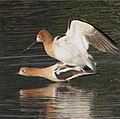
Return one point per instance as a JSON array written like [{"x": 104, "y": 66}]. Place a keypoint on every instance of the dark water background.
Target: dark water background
[{"x": 91, "y": 97}]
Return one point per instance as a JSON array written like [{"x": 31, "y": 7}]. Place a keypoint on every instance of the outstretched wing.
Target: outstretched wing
[{"x": 82, "y": 34}]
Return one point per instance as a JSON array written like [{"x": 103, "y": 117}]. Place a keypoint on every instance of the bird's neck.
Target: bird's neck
[
  {"x": 40, "y": 72},
  {"x": 48, "y": 44},
  {"x": 35, "y": 72}
]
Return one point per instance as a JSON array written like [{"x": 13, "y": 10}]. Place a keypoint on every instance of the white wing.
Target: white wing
[
  {"x": 81, "y": 34},
  {"x": 72, "y": 47},
  {"x": 65, "y": 47}
]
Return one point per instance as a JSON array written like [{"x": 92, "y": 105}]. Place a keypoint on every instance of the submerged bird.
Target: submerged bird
[
  {"x": 57, "y": 72},
  {"x": 72, "y": 47}
]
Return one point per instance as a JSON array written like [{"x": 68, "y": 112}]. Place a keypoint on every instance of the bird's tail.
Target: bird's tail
[{"x": 91, "y": 63}]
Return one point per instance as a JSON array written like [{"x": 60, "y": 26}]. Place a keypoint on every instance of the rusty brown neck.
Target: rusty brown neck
[
  {"x": 36, "y": 72},
  {"x": 48, "y": 42},
  {"x": 46, "y": 37}
]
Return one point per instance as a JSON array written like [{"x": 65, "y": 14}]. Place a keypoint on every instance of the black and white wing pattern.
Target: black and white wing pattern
[
  {"x": 82, "y": 34},
  {"x": 67, "y": 72}
]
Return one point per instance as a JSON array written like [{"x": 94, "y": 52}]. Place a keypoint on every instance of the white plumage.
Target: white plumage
[
  {"x": 57, "y": 72},
  {"x": 72, "y": 47}
]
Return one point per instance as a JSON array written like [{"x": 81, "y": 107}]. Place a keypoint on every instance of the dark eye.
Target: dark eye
[
  {"x": 39, "y": 36},
  {"x": 23, "y": 70}
]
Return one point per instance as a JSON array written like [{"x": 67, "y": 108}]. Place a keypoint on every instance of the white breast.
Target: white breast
[
  {"x": 69, "y": 56},
  {"x": 67, "y": 52}
]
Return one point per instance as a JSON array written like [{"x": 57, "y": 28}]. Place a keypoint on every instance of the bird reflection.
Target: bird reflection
[{"x": 57, "y": 101}]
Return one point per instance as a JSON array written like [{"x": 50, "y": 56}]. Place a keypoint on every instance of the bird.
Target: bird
[
  {"x": 57, "y": 72},
  {"x": 72, "y": 46}
]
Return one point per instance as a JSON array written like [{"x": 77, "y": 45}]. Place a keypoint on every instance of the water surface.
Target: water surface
[{"x": 88, "y": 97}]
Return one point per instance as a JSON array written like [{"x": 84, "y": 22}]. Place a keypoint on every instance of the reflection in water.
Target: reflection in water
[
  {"x": 60, "y": 101},
  {"x": 20, "y": 21}
]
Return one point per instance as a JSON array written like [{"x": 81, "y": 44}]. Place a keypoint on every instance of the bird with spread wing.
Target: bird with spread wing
[{"x": 72, "y": 47}]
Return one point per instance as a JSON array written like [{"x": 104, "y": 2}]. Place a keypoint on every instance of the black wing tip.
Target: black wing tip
[
  {"x": 115, "y": 45},
  {"x": 111, "y": 50},
  {"x": 114, "y": 50},
  {"x": 108, "y": 37}
]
